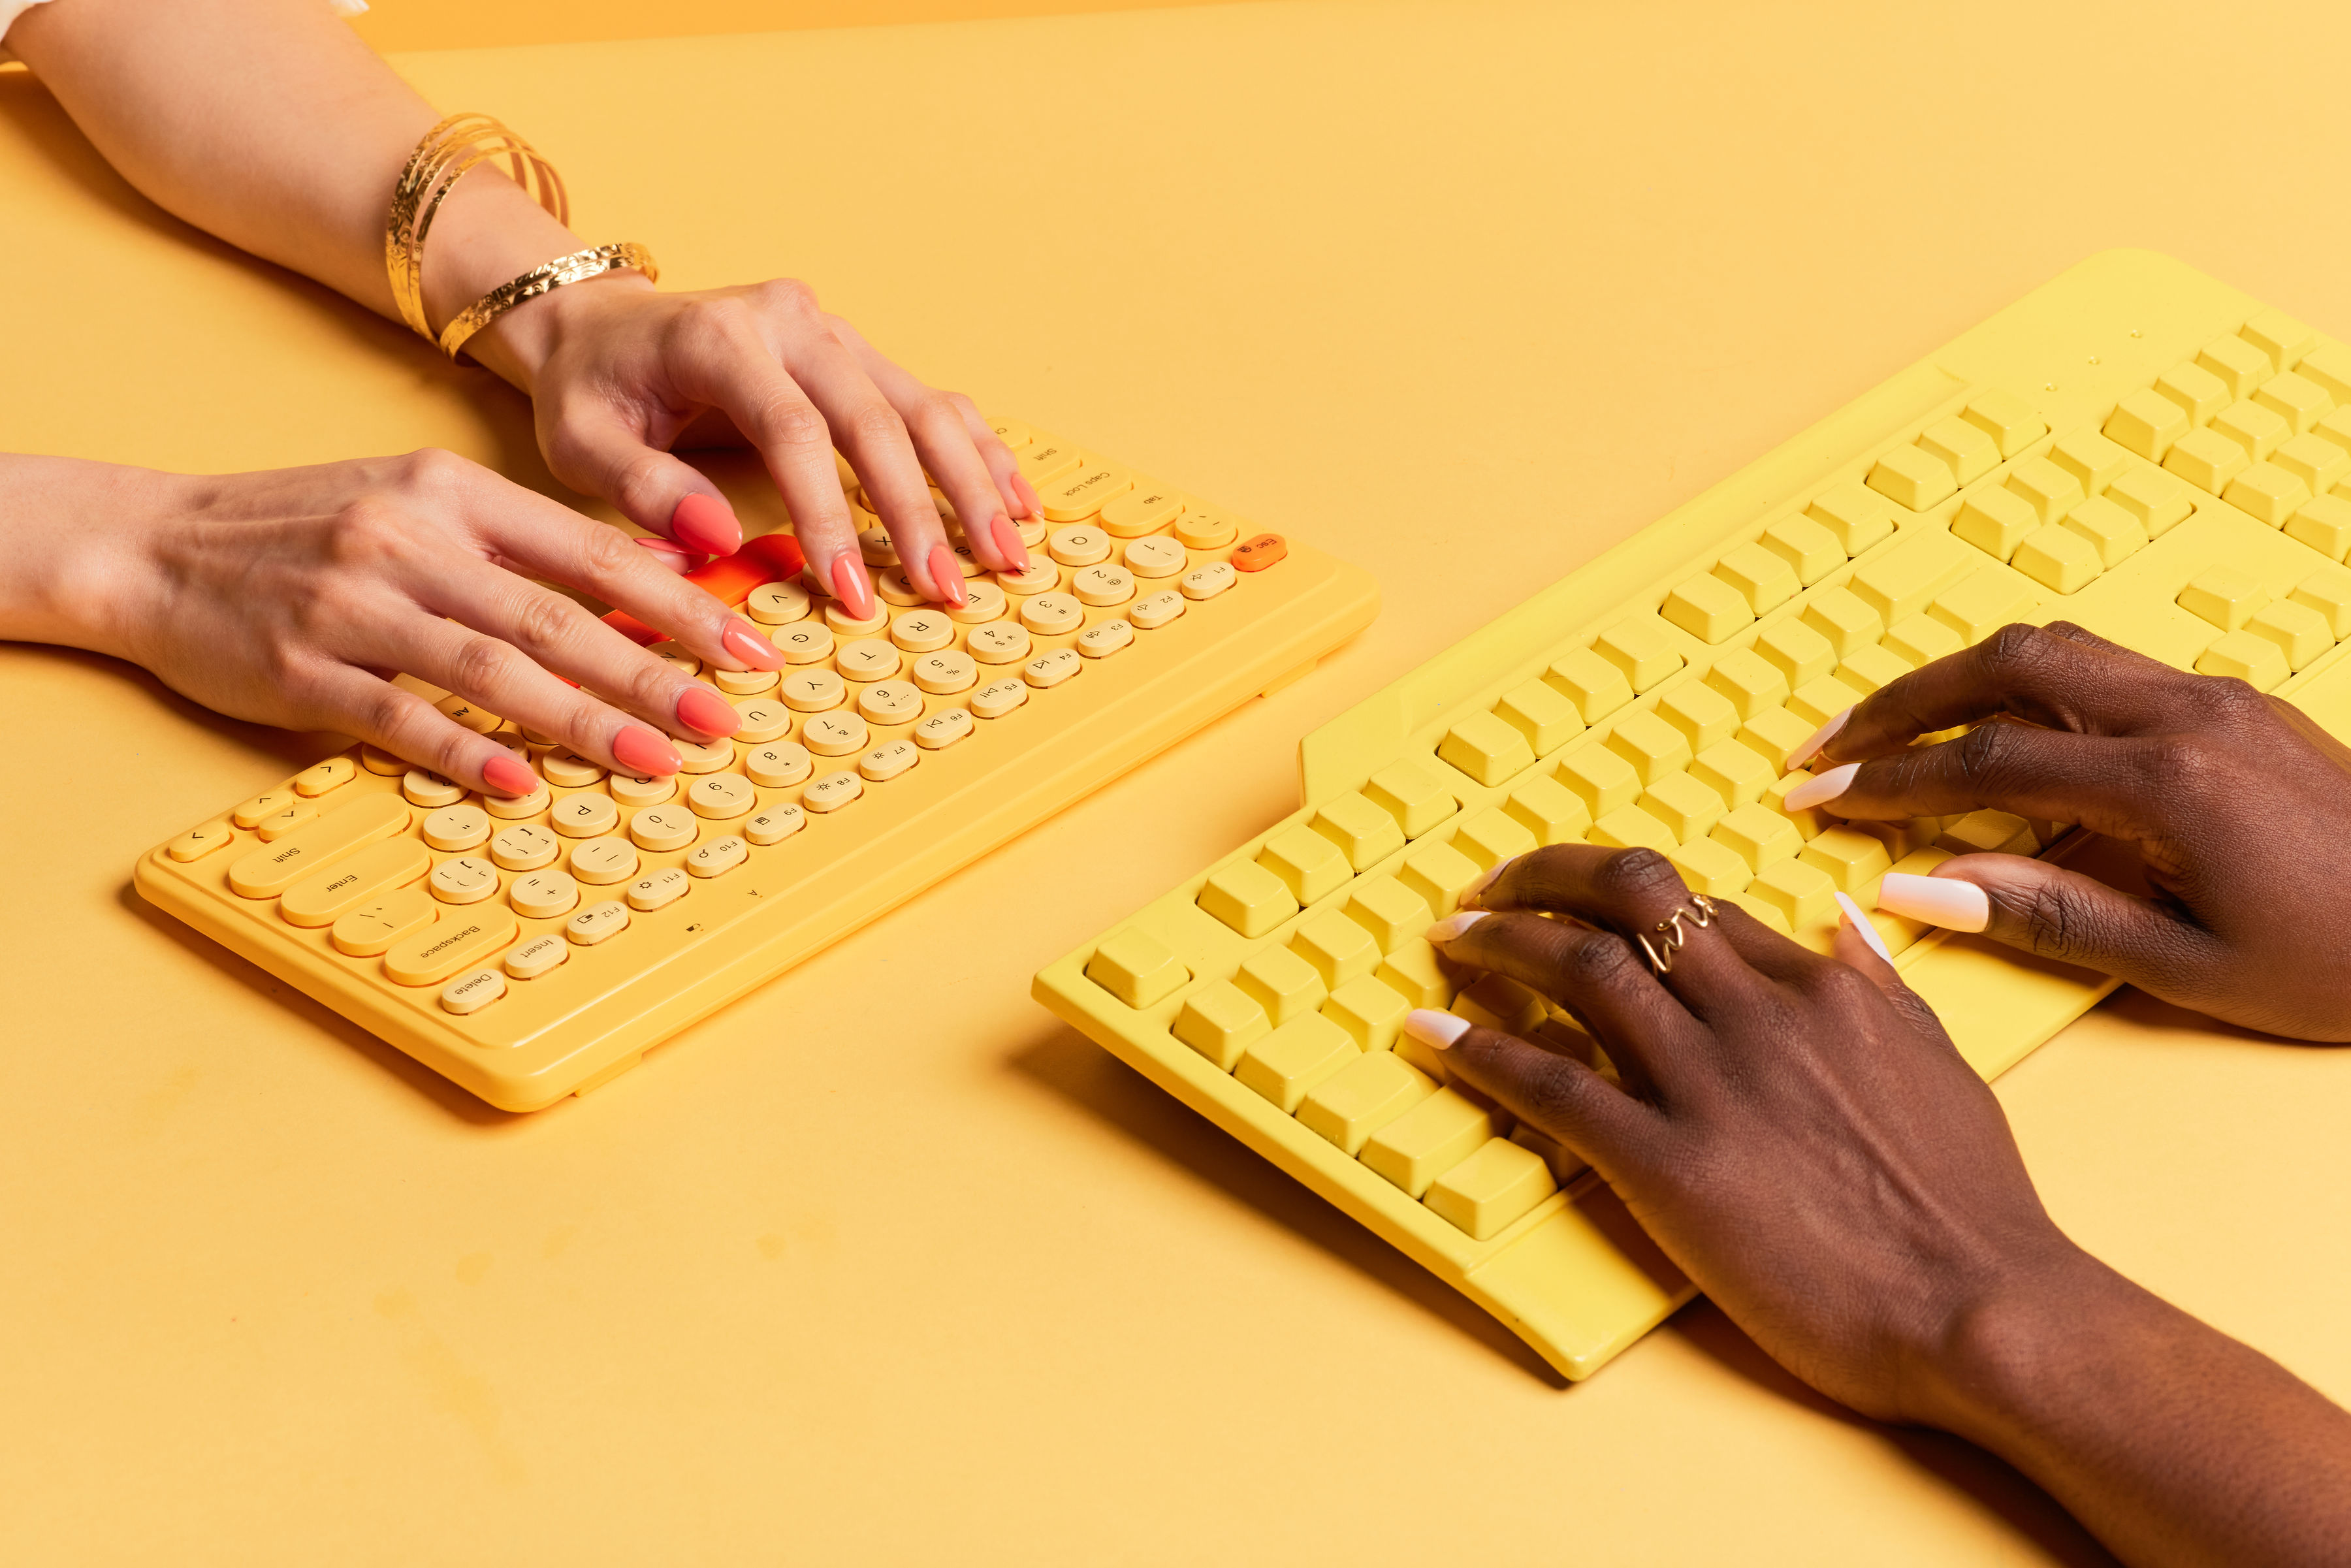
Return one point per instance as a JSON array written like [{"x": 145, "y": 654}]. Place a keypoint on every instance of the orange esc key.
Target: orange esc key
[{"x": 1257, "y": 554}]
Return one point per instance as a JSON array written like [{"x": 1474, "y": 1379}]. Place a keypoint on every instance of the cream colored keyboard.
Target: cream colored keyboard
[
  {"x": 2133, "y": 447},
  {"x": 529, "y": 949}
]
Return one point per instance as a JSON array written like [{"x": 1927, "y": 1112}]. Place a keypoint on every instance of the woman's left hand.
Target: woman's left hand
[{"x": 621, "y": 372}]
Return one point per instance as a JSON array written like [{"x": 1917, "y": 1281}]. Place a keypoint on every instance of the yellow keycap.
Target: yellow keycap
[
  {"x": 1432, "y": 1137},
  {"x": 1629, "y": 828},
  {"x": 1764, "y": 578},
  {"x": 464, "y": 940},
  {"x": 1797, "y": 651},
  {"x": 888, "y": 760},
  {"x": 702, "y": 757},
  {"x": 776, "y": 604},
  {"x": 603, "y": 862},
  {"x": 1962, "y": 446},
  {"x": 1595, "y": 686},
  {"x": 2329, "y": 366},
  {"x": 1853, "y": 859},
  {"x": 1082, "y": 493},
  {"x": 1984, "y": 603},
  {"x": 584, "y": 816},
  {"x": 1042, "y": 577},
  {"x": 525, "y": 847},
  {"x": 2300, "y": 632},
  {"x": 778, "y": 766},
  {"x": 382, "y": 762},
  {"x": 1912, "y": 478},
  {"x": 997, "y": 698},
  {"x": 775, "y": 824},
  {"x": 2207, "y": 459},
  {"x": 2318, "y": 461},
  {"x": 1149, "y": 558},
  {"x": 1392, "y": 913},
  {"x": 658, "y": 890},
  {"x": 2235, "y": 364},
  {"x": 1287, "y": 1064},
  {"x": 1412, "y": 794},
  {"x": 2223, "y": 596},
  {"x": 1538, "y": 711},
  {"x": 1857, "y": 517},
  {"x": 842, "y": 624},
  {"x": 2113, "y": 532},
  {"x": 1711, "y": 867},
  {"x": 529, "y": 960},
  {"x": 1995, "y": 520},
  {"x": 1486, "y": 748},
  {"x": 1775, "y": 733},
  {"x": 596, "y": 923},
  {"x": 456, "y": 827},
  {"x": 891, "y": 701},
  {"x": 1804, "y": 894},
  {"x": 716, "y": 857},
  {"x": 1492, "y": 836},
  {"x": 2299, "y": 400},
  {"x": 661, "y": 828},
  {"x": 1137, "y": 968},
  {"x": 1207, "y": 581},
  {"x": 1640, "y": 649},
  {"x": 285, "y": 820},
  {"x": 1547, "y": 809},
  {"x": 999, "y": 643},
  {"x": 1601, "y": 778},
  {"x": 1309, "y": 864},
  {"x": 1749, "y": 682},
  {"x": 1987, "y": 832},
  {"x": 2267, "y": 493},
  {"x": 2260, "y": 431},
  {"x": 1843, "y": 619},
  {"x": 2195, "y": 390},
  {"x": 1285, "y": 985},
  {"x": 1220, "y": 1021},
  {"x": 1364, "y": 833},
  {"x": 1735, "y": 772},
  {"x": 2279, "y": 336},
  {"x": 1050, "y": 615},
  {"x": 1144, "y": 509},
  {"x": 1153, "y": 611},
  {"x": 264, "y": 806},
  {"x": 317, "y": 843},
  {"x": 983, "y": 601},
  {"x": 1759, "y": 836},
  {"x": 2147, "y": 423},
  {"x": 2156, "y": 499},
  {"x": 1653, "y": 746},
  {"x": 1339, "y": 949},
  {"x": 1811, "y": 552},
  {"x": 2091, "y": 459},
  {"x": 2051, "y": 491},
  {"x": 544, "y": 894},
  {"x": 1101, "y": 585},
  {"x": 806, "y": 644},
  {"x": 1812, "y": 822},
  {"x": 2011, "y": 422},
  {"x": 197, "y": 842},
  {"x": 432, "y": 791},
  {"x": 1707, "y": 608},
  {"x": 2058, "y": 559},
  {"x": 324, "y": 896},
  {"x": 1907, "y": 577},
  {"x": 1687, "y": 807},
  {"x": 1492, "y": 1190},
  {"x": 1415, "y": 972},
  {"x": 677, "y": 658},
  {"x": 1438, "y": 873},
  {"x": 1922, "y": 639},
  {"x": 1817, "y": 702},
  {"x": 376, "y": 925},
  {"x": 464, "y": 879},
  {"x": 1051, "y": 669},
  {"x": 867, "y": 659},
  {"x": 2329, "y": 591},
  {"x": 944, "y": 728},
  {"x": 1364, "y": 1096},
  {"x": 1099, "y": 642},
  {"x": 1083, "y": 546},
  {"x": 836, "y": 734},
  {"x": 1867, "y": 670},
  {"x": 1704, "y": 715}
]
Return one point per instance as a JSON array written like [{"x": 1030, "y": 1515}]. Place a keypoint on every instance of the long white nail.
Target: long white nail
[
  {"x": 1861, "y": 924},
  {"x": 1468, "y": 898},
  {"x": 1944, "y": 901},
  {"x": 1453, "y": 926},
  {"x": 1821, "y": 737},
  {"x": 1430, "y": 1027},
  {"x": 1821, "y": 791}
]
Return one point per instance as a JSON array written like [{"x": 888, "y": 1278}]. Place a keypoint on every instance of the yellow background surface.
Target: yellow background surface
[{"x": 883, "y": 1263}]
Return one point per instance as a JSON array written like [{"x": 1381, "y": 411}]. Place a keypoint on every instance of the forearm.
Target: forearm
[
  {"x": 268, "y": 123},
  {"x": 2174, "y": 1443},
  {"x": 67, "y": 528}
]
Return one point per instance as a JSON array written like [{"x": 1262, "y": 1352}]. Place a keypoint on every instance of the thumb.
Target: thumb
[
  {"x": 602, "y": 456},
  {"x": 2052, "y": 912}
]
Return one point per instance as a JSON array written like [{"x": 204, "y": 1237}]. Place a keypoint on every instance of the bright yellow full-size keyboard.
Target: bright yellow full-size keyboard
[
  {"x": 2133, "y": 447},
  {"x": 532, "y": 949}
]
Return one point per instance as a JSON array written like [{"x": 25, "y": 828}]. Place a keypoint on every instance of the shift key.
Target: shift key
[{"x": 267, "y": 871}]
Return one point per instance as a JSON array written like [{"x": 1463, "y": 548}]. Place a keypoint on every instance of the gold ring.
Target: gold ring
[{"x": 1699, "y": 912}]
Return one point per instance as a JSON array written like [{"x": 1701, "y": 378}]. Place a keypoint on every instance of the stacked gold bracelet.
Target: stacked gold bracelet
[{"x": 449, "y": 150}]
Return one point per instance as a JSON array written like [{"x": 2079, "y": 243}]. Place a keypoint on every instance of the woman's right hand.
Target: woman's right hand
[
  {"x": 2238, "y": 804},
  {"x": 292, "y": 596}
]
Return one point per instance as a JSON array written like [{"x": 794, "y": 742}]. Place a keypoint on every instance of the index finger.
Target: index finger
[{"x": 2058, "y": 676}]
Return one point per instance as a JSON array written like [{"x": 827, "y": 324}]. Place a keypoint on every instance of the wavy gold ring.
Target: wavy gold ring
[{"x": 1699, "y": 912}]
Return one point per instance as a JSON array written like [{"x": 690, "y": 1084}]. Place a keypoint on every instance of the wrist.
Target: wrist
[
  {"x": 78, "y": 567},
  {"x": 518, "y": 346},
  {"x": 2018, "y": 1344}
]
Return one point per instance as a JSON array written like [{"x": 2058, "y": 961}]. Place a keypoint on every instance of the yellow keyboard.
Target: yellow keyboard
[
  {"x": 536, "y": 948},
  {"x": 2133, "y": 447}
]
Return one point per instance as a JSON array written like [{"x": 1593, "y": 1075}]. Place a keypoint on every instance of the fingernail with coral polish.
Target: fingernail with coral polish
[
  {"x": 1029, "y": 505},
  {"x": 1008, "y": 542},
  {"x": 707, "y": 524},
  {"x": 1468, "y": 898},
  {"x": 1453, "y": 926},
  {"x": 750, "y": 647},
  {"x": 853, "y": 586},
  {"x": 509, "y": 775},
  {"x": 644, "y": 754},
  {"x": 1430, "y": 1027},
  {"x": 1943, "y": 901},
  {"x": 1864, "y": 926},
  {"x": 1820, "y": 737},
  {"x": 699, "y": 707},
  {"x": 945, "y": 576},
  {"x": 1821, "y": 791}
]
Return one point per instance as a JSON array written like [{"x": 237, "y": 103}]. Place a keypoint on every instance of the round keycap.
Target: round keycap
[
  {"x": 566, "y": 769},
  {"x": 525, "y": 847},
  {"x": 465, "y": 879},
  {"x": 584, "y": 816},
  {"x": 677, "y": 658},
  {"x": 1080, "y": 545},
  {"x": 984, "y": 601},
  {"x": 776, "y": 604},
  {"x": 1042, "y": 577},
  {"x": 837, "y": 734},
  {"x": 430, "y": 790},
  {"x": 764, "y": 719},
  {"x": 777, "y": 765},
  {"x": 507, "y": 808},
  {"x": 896, "y": 586},
  {"x": 470, "y": 715},
  {"x": 1154, "y": 557},
  {"x": 1198, "y": 530},
  {"x": 383, "y": 762},
  {"x": 808, "y": 642},
  {"x": 722, "y": 796},
  {"x": 874, "y": 545},
  {"x": 924, "y": 631},
  {"x": 544, "y": 894},
  {"x": 844, "y": 624},
  {"x": 649, "y": 792},
  {"x": 999, "y": 643},
  {"x": 744, "y": 683},
  {"x": 813, "y": 691},
  {"x": 702, "y": 756},
  {"x": 951, "y": 671},
  {"x": 867, "y": 659},
  {"x": 1102, "y": 585},
  {"x": 891, "y": 701},
  {"x": 661, "y": 828},
  {"x": 456, "y": 827},
  {"x": 1050, "y": 614},
  {"x": 604, "y": 862}
]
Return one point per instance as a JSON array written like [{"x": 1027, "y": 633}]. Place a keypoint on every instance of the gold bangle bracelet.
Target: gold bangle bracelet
[
  {"x": 577, "y": 267},
  {"x": 447, "y": 152}
]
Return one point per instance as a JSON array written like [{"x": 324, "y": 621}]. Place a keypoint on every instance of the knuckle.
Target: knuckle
[
  {"x": 434, "y": 470},
  {"x": 544, "y": 619},
  {"x": 790, "y": 296},
  {"x": 2015, "y": 650},
  {"x": 791, "y": 419},
  {"x": 877, "y": 422},
  {"x": 482, "y": 665},
  {"x": 369, "y": 532},
  {"x": 2183, "y": 767},
  {"x": 606, "y": 551},
  {"x": 1630, "y": 873},
  {"x": 1595, "y": 961}
]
